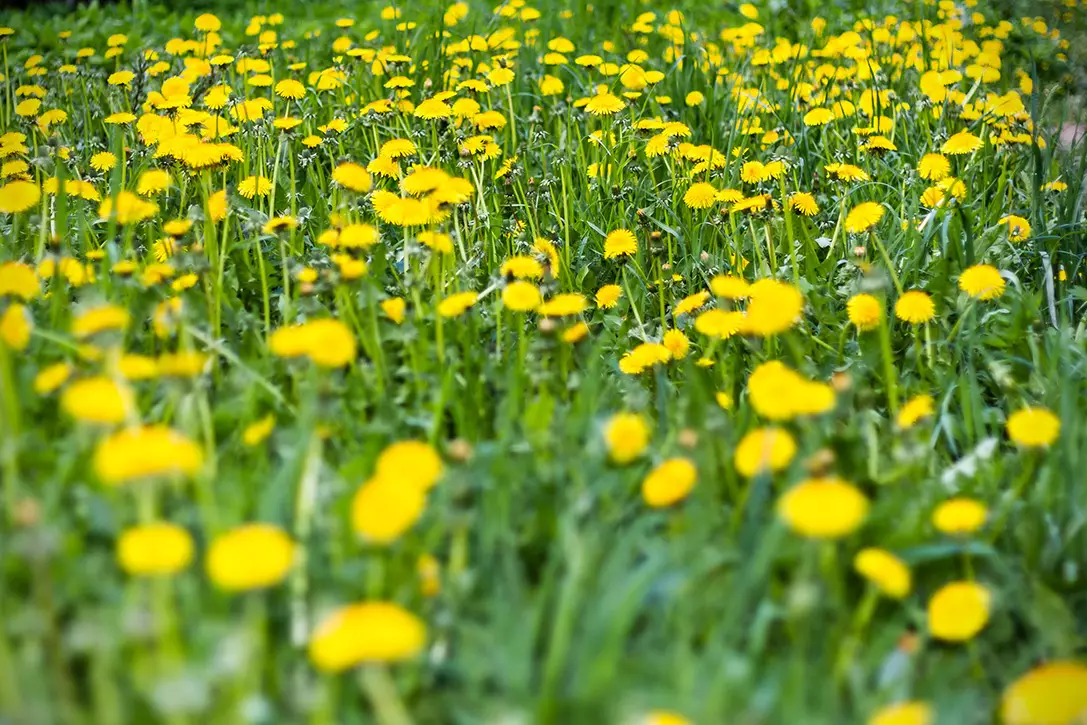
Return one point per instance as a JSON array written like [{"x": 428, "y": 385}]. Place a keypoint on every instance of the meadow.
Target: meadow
[{"x": 554, "y": 362}]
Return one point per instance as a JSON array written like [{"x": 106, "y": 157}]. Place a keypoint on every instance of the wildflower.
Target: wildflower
[
  {"x": 522, "y": 267},
  {"x": 719, "y": 323},
  {"x": 103, "y": 161},
  {"x": 353, "y": 177},
  {"x": 910, "y": 712},
  {"x": 958, "y": 611},
  {"x": 961, "y": 143},
  {"x": 959, "y": 516},
  {"x": 916, "y": 409},
  {"x": 982, "y": 281},
  {"x": 700, "y": 196},
  {"x": 257, "y": 432},
  {"x": 774, "y": 307},
  {"x": 690, "y": 303},
  {"x": 780, "y": 393},
  {"x": 15, "y": 327},
  {"x": 521, "y": 296},
  {"x": 575, "y": 333},
  {"x": 1018, "y": 227},
  {"x": 1033, "y": 427},
  {"x": 255, "y": 186},
  {"x": 18, "y": 196},
  {"x": 669, "y": 482},
  {"x": 327, "y": 342},
  {"x": 884, "y": 570},
  {"x": 145, "y": 452},
  {"x": 394, "y": 308},
  {"x": 915, "y": 307},
  {"x": 248, "y": 557},
  {"x": 51, "y": 377},
  {"x": 154, "y": 550},
  {"x": 764, "y": 450},
  {"x": 366, "y": 632},
  {"x": 604, "y": 104},
  {"x": 456, "y": 304},
  {"x": 804, "y": 203},
  {"x": 410, "y": 463},
  {"x": 865, "y": 311},
  {"x": 818, "y": 117},
  {"x": 863, "y": 217},
  {"x": 677, "y": 343},
  {"x": 384, "y": 508},
  {"x": 729, "y": 287},
  {"x": 18, "y": 280},
  {"x": 620, "y": 242},
  {"x": 643, "y": 357},
  {"x": 608, "y": 296},
  {"x": 290, "y": 88},
  {"x": 358, "y": 236},
  {"x": 626, "y": 436},
  {"x": 823, "y": 508},
  {"x": 933, "y": 167},
  {"x": 1051, "y": 693},
  {"x": 563, "y": 305},
  {"x": 97, "y": 400}
]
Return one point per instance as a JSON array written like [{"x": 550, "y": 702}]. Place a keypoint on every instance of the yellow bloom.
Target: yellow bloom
[
  {"x": 564, "y": 305},
  {"x": 1018, "y": 227},
  {"x": 456, "y": 304},
  {"x": 521, "y": 296},
  {"x": 19, "y": 280},
  {"x": 1033, "y": 427},
  {"x": 620, "y": 242},
  {"x": 863, "y": 217},
  {"x": 773, "y": 307},
  {"x": 18, "y": 196},
  {"x": 353, "y": 177},
  {"x": 395, "y": 309},
  {"x": 700, "y": 196},
  {"x": 410, "y": 463},
  {"x": 98, "y": 400},
  {"x": 145, "y": 452},
  {"x": 51, "y": 378},
  {"x": 384, "y": 508},
  {"x": 669, "y": 482},
  {"x": 251, "y": 556},
  {"x": 865, "y": 311},
  {"x": 156, "y": 549},
  {"x": 764, "y": 450},
  {"x": 366, "y": 632},
  {"x": 903, "y": 713},
  {"x": 626, "y": 436},
  {"x": 982, "y": 281},
  {"x": 916, "y": 409},
  {"x": 257, "y": 432},
  {"x": 884, "y": 570},
  {"x": 963, "y": 142},
  {"x": 327, "y": 342},
  {"x": 15, "y": 327},
  {"x": 959, "y": 516},
  {"x": 1054, "y": 693},
  {"x": 719, "y": 323},
  {"x": 958, "y": 611},
  {"x": 915, "y": 307},
  {"x": 608, "y": 295},
  {"x": 823, "y": 508},
  {"x": 933, "y": 167}
]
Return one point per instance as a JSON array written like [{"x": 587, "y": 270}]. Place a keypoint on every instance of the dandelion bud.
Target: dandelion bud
[
  {"x": 306, "y": 288},
  {"x": 27, "y": 513},
  {"x": 705, "y": 256},
  {"x": 841, "y": 382},
  {"x": 655, "y": 235},
  {"x": 459, "y": 450},
  {"x": 859, "y": 251},
  {"x": 688, "y": 438},
  {"x": 547, "y": 325}
]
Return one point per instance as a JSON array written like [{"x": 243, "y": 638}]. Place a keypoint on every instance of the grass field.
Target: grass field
[{"x": 547, "y": 363}]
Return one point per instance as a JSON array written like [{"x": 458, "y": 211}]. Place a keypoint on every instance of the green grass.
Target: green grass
[{"x": 563, "y": 597}]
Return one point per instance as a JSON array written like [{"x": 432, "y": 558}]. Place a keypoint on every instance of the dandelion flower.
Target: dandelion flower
[
  {"x": 353, "y": 177},
  {"x": 916, "y": 409},
  {"x": 255, "y": 186},
  {"x": 865, "y": 311},
  {"x": 154, "y": 550},
  {"x": 764, "y": 450},
  {"x": 863, "y": 217},
  {"x": 958, "y": 516},
  {"x": 383, "y": 509},
  {"x": 823, "y": 508},
  {"x": 884, "y": 570},
  {"x": 700, "y": 196},
  {"x": 982, "y": 281},
  {"x": 915, "y": 307},
  {"x": 456, "y": 304},
  {"x": 521, "y": 296},
  {"x": 18, "y": 196},
  {"x": 1054, "y": 693},
  {"x": 804, "y": 203},
  {"x": 773, "y": 307},
  {"x": 365, "y": 633},
  {"x": 608, "y": 296},
  {"x": 626, "y": 436},
  {"x": 910, "y": 712},
  {"x": 958, "y": 611},
  {"x": 605, "y": 104},
  {"x": 961, "y": 143},
  {"x": 251, "y": 556},
  {"x": 1033, "y": 427},
  {"x": 1018, "y": 227},
  {"x": 669, "y": 482},
  {"x": 933, "y": 167},
  {"x": 145, "y": 452},
  {"x": 619, "y": 243}
]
